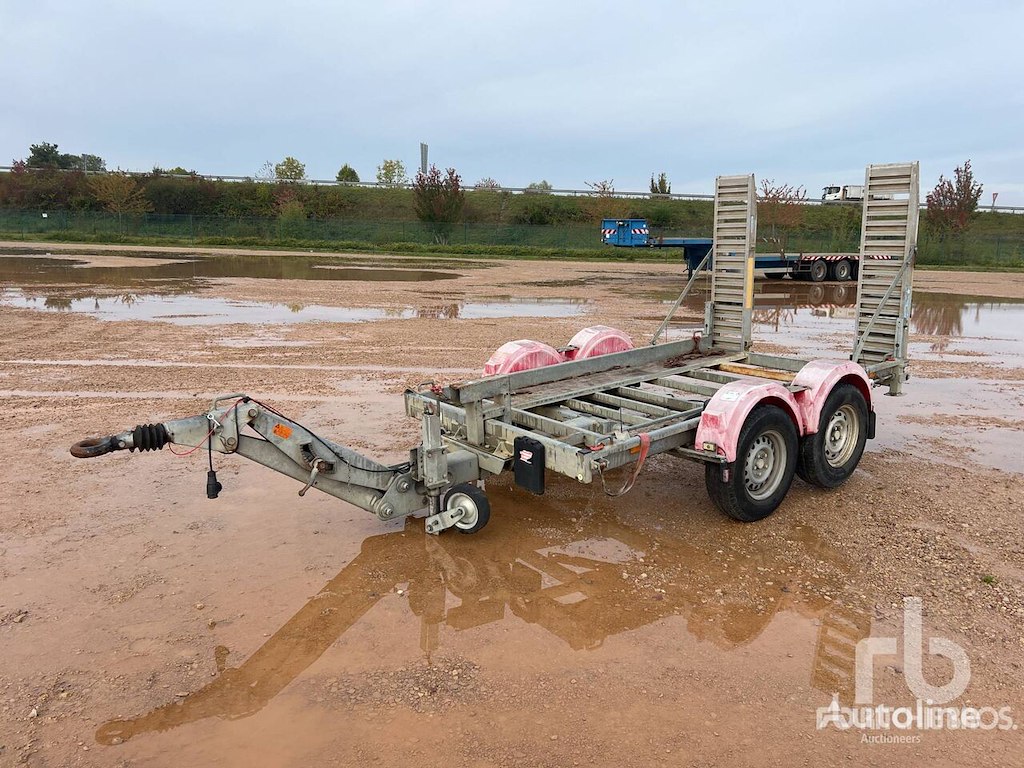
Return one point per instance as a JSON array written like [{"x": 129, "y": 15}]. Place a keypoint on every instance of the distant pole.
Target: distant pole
[
  {"x": 994, "y": 196},
  {"x": 423, "y": 158}
]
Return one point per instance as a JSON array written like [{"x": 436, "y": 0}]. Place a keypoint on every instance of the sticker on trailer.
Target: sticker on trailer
[
  {"x": 526, "y": 456},
  {"x": 829, "y": 256},
  {"x": 729, "y": 395}
]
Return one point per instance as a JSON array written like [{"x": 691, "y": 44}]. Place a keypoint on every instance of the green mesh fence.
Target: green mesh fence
[{"x": 996, "y": 250}]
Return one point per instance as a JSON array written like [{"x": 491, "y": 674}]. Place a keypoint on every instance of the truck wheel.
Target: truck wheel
[
  {"x": 842, "y": 271},
  {"x": 819, "y": 271},
  {"x": 755, "y": 484},
  {"x": 476, "y": 508},
  {"x": 829, "y": 456}
]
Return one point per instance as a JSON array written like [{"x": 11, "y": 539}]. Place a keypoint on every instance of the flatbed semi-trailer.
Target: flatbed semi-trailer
[{"x": 813, "y": 266}]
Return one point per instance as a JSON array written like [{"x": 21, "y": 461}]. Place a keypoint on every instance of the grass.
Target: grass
[
  {"x": 428, "y": 250},
  {"x": 985, "y": 251}
]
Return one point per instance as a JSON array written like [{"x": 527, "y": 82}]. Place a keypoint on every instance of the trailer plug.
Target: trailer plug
[{"x": 213, "y": 486}]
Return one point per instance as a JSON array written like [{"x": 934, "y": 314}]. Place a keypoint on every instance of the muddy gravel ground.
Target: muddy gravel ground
[{"x": 143, "y": 624}]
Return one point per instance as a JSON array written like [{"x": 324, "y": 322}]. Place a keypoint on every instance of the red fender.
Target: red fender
[
  {"x": 727, "y": 410},
  {"x": 820, "y": 377},
  {"x": 597, "y": 340},
  {"x": 521, "y": 355}
]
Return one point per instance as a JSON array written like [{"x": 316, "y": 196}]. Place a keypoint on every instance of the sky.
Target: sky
[{"x": 569, "y": 92}]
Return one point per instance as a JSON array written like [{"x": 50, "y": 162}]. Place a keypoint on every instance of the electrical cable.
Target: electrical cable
[{"x": 394, "y": 468}]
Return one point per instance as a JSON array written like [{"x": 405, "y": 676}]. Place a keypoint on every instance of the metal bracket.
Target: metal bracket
[
  {"x": 317, "y": 464},
  {"x": 432, "y": 458},
  {"x": 446, "y": 518}
]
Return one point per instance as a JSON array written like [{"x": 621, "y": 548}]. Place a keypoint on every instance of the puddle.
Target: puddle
[
  {"x": 189, "y": 272},
  {"x": 581, "y": 581},
  {"x": 947, "y": 329},
  {"x": 819, "y": 319},
  {"x": 186, "y": 309}
]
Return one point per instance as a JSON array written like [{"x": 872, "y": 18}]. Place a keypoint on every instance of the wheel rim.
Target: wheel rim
[
  {"x": 470, "y": 512},
  {"x": 765, "y": 465},
  {"x": 843, "y": 270},
  {"x": 841, "y": 436}
]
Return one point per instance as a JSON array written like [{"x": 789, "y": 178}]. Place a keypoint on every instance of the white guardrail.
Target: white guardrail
[{"x": 512, "y": 190}]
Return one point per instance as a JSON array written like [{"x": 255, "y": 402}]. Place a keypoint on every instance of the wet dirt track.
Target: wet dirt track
[{"x": 143, "y": 624}]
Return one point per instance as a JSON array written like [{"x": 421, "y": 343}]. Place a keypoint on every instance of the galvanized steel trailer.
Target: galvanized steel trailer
[{"x": 753, "y": 420}]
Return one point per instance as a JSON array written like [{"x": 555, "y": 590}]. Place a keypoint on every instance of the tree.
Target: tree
[
  {"x": 92, "y": 163},
  {"x": 391, "y": 173},
  {"x": 290, "y": 170},
  {"x": 603, "y": 188},
  {"x": 781, "y": 208},
  {"x": 661, "y": 186},
  {"x": 175, "y": 171},
  {"x": 291, "y": 217},
  {"x": 541, "y": 187},
  {"x": 266, "y": 173},
  {"x": 953, "y": 205},
  {"x": 487, "y": 183},
  {"x": 44, "y": 155},
  {"x": 119, "y": 193},
  {"x": 439, "y": 200},
  {"x": 347, "y": 174}
]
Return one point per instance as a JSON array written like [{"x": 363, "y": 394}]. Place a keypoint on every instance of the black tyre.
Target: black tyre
[
  {"x": 829, "y": 456},
  {"x": 476, "y": 507},
  {"x": 819, "y": 271},
  {"x": 759, "y": 479},
  {"x": 842, "y": 271}
]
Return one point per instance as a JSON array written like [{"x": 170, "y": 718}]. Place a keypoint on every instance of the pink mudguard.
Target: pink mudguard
[
  {"x": 723, "y": 418},
  {"x": 521, "y": 355},
  {"x": 597, "y": 340},
  {"x": 820, "y": 377}
]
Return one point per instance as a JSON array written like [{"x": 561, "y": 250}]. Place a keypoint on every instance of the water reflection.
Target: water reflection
[
  {"x": 784, "y": 304},
  {"x": 189, "y": 273},
  {"x": 581, "y": 580},
  {"x": 948, "y": 316},
  {"x": 186, "y": 309}
]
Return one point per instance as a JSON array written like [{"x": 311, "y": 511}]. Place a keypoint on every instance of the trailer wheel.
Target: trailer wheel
[
  {"x": 829, "y": 456},
  {"x": 819, "y": 271},
  {"x": 753, "y": 486},
  {"x": 476, "y": 507},
  {"x": 842, "y": 271}
]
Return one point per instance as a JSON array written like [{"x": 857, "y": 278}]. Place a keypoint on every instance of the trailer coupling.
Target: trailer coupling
[{"x": 437, "y": 479}]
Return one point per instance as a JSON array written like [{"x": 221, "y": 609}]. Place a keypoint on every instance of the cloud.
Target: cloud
[{"x": 524, "y": 90}]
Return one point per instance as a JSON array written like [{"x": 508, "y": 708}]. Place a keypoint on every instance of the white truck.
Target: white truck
[{"x": 836, "y": 194}]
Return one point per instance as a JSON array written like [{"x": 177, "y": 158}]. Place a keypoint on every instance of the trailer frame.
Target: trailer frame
[{"x": 753, "y": 419}]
